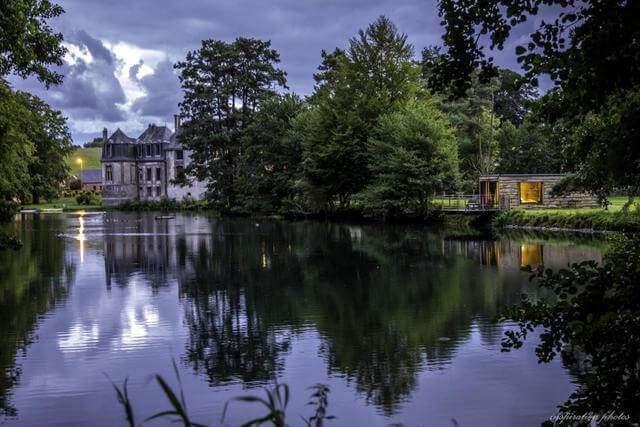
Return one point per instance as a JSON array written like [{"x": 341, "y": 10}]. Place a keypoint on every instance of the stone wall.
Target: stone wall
[
  {"x": 122, "y": 186},
  {"x": 194, "y": 191},
  {"x": 509, "y": 191}
]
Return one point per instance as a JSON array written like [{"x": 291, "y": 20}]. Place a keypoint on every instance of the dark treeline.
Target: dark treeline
[{"x": 384, "y": 131}]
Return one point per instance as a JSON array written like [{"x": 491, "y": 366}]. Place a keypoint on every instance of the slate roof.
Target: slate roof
[
  {"x": 91, "y": 176},
  {"x": 119, "y": 137},
  {"x": 155, "y": 134}
]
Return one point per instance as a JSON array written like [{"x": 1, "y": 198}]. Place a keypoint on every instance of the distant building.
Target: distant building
[
  {"x": 91, "y": 179},
  {"x": 529, "y": 191},
  {"x": 145, "y": 168}
]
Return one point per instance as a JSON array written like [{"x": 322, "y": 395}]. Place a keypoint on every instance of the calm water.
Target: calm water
[{"x": 397, "y": 320}]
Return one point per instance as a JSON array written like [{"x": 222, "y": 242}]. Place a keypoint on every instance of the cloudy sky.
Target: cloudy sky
[{"x": 118, "y": 72}]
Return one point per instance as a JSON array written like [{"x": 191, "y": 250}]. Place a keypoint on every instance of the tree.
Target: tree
[
  {"x": 530, "y": 148},
  {"x": 607, "y": 144},
  {"x": 354, "y": 88},
  {"x": 17, "y": 150},
  {"x": 52, "y": 144},
  {"x": 587, "y": 48},
  {"x": 271, "y": 156},
  {"x": 224, "y": 85},
  {"x": 414, "y": 156},
  {"x": 28, "y": 45}
]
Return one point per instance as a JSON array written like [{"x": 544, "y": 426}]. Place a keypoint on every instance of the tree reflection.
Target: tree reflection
[
  {"x": 32, "y": 281},
  {"x": 387, "y": 302}
]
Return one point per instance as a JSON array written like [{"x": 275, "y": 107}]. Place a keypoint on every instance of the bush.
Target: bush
[{"x": 87, "y": 198}]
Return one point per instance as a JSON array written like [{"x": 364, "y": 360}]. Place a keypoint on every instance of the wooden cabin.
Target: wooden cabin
[{"x": 508, "y": 191}]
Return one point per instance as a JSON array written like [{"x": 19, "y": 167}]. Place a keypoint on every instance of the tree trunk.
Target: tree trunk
[{"x": 627, "y": 204}]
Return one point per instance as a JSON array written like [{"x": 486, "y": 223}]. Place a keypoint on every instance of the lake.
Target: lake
[{"x": 397, "y": 320}]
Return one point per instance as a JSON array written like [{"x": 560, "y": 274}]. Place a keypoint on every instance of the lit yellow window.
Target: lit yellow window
[
  {"x": 530, "y": 192},
  {"x": 530, "y": 254}
]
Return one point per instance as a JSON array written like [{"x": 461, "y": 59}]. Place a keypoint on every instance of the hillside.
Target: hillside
[{"x": 90, "y": 159}]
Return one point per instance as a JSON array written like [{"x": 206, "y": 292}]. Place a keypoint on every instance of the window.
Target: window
[
  {"x": 148, "y": 174},
  {"x": 149, "y": 194},
  {"x": 157, "y": 174},
  {"x": 179, "y": 154},
  {"x": 179, "y": 172},
  {"x": 108, "y": 173},
  {"x": 148, "y": 150},
  {"x": 158, "y": 191},
  {"x": 530, "y": 192}
]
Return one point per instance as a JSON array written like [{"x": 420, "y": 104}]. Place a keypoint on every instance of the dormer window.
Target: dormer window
[{"x": 148, "y": 150}]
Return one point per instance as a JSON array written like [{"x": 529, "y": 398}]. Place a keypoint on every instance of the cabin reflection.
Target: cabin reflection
[{"x": 515, "y": 255}]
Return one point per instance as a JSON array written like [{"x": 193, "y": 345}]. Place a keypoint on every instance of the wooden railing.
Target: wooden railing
[{"x": 470, "y": 202}]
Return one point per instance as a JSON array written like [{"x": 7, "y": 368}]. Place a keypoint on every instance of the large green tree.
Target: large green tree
[
  {"x": 271, "y": 158},
  {"x": 374, "y": 76},
  {"x": 224, "y": 84},
  {"x": 52, "y": 144},
  {"x": 414, "y": 156}
]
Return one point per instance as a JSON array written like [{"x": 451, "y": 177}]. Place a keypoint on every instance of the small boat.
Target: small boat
[
  {"x": 29, "y": 211},
  {"x": 165, "y": 217}
]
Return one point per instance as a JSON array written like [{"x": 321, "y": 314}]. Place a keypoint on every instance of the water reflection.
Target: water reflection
[
  {"x": 386, "y": 303},
  {"x": 32, "y": 281}
]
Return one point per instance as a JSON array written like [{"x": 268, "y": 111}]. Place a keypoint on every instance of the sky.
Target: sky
[{"x": 119, "y": 66}]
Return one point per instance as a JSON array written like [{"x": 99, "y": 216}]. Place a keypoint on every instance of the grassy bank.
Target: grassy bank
[
  {"x": 573, "y": 219},
  {"x": 64, "y": 203}
]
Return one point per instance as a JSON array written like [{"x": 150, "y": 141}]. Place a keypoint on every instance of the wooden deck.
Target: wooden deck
[{"x": 467, "y": 204}]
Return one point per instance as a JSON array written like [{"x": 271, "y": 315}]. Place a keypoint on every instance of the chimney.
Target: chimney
[
  {"x": 104, "y": 134},
  {"x": 176, "y": 122}
]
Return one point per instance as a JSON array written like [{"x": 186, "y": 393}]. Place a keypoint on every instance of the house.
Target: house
[
  {"x": 144, "y": 168},
  {"x": 91, "y": 179},
  {"x": 507, "y": 191}
]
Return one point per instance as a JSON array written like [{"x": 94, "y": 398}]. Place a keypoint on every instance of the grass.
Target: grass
[
  {"x": 90, "y": 159},
  {"x": 66, "y": 203},
  {"x": 598, "y": 219}
]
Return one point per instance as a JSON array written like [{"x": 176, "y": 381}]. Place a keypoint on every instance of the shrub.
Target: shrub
[{"x": 87, "y": 198}]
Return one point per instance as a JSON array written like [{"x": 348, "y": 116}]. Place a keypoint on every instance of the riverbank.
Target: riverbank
[{"x": 569, "y": 220}]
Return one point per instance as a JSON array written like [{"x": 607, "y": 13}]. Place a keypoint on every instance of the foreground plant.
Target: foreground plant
[
  {"x": 275, "y": 403},
  {"x": 594, "y": 324}
]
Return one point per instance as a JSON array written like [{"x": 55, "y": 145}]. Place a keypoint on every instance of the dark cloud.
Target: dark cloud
[
  {"x": 162, "y": 90},
  {"x": 299, "y": 30}
]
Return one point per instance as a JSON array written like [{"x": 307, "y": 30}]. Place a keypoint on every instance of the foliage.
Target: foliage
[
  {"x": 164, "y": 204},
  {"x": 224, "y": 85},
  {"x": 87, "y": 198},
  {"x": 28, "y": 45},
  {"x": 529, "y": 148},
  {"x": 593, "y": 324},
  {"x": 414, "y": 156},
  {"x": 319, "y": 399},
  {"x": 16, "y": 147},
  {"x": 354, "y": 89},
  {"x": 607, "y": 144},
  {"x": 52, "y": 144},
  {"x": 270, "y": 163},
  {"x": 275, "y": 403}
]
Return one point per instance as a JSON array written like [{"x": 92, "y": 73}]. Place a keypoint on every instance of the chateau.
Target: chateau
[{"x": 145, "y": 168}]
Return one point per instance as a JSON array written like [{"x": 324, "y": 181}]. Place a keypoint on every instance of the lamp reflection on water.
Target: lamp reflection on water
[{"x": 81, "y": 236}]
